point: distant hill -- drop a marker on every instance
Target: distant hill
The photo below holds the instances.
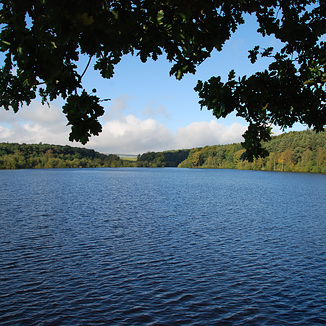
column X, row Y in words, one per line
column 30, row 156
column 128, row 157
column 163, row 159
column 303, row 151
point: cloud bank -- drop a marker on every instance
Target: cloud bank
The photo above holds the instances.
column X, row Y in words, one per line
column 122, row 134
column 33, row 124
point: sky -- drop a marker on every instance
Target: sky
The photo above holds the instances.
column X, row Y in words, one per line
column 148, row 110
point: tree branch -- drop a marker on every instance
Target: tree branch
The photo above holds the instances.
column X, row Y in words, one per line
column 88, row 63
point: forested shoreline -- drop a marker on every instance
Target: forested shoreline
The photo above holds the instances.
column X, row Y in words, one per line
column 38, row 156
column 303, row 151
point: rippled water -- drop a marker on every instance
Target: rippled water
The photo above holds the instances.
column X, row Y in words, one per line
column 162, row 247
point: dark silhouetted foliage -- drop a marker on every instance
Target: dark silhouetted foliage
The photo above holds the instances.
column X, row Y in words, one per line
column 42, row 42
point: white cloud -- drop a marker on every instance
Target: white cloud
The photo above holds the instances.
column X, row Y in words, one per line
column 124, row 135
column 4, row 132
column 125, row 104
column 131, row 135
column 151, row 110
column 118, row 107
column 33, row 124
column 198, row 134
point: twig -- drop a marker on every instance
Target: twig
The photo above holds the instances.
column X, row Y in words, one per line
column 88, row 63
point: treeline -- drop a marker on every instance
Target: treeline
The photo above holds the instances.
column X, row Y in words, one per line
column 38, row 156
column 35, row 156
column 303, row 151
column 162, row 159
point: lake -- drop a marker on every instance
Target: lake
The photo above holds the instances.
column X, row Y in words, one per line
column 162, row 247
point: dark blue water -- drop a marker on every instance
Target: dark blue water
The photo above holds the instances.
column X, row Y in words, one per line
column 162, row 247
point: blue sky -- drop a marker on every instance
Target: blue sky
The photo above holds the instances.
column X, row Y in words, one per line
column 149, row 110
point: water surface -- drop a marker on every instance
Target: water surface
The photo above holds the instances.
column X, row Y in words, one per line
column 162, row 247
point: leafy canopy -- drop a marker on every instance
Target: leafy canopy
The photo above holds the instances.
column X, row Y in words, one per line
column 42, row 41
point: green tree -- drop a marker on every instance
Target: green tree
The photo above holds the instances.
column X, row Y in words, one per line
column 220, row 156
column 13, row 156
column 271, row 162
column 321, row 160
column 306, row 161
column 238, row 159
column 43, row 40
column 287, row 160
